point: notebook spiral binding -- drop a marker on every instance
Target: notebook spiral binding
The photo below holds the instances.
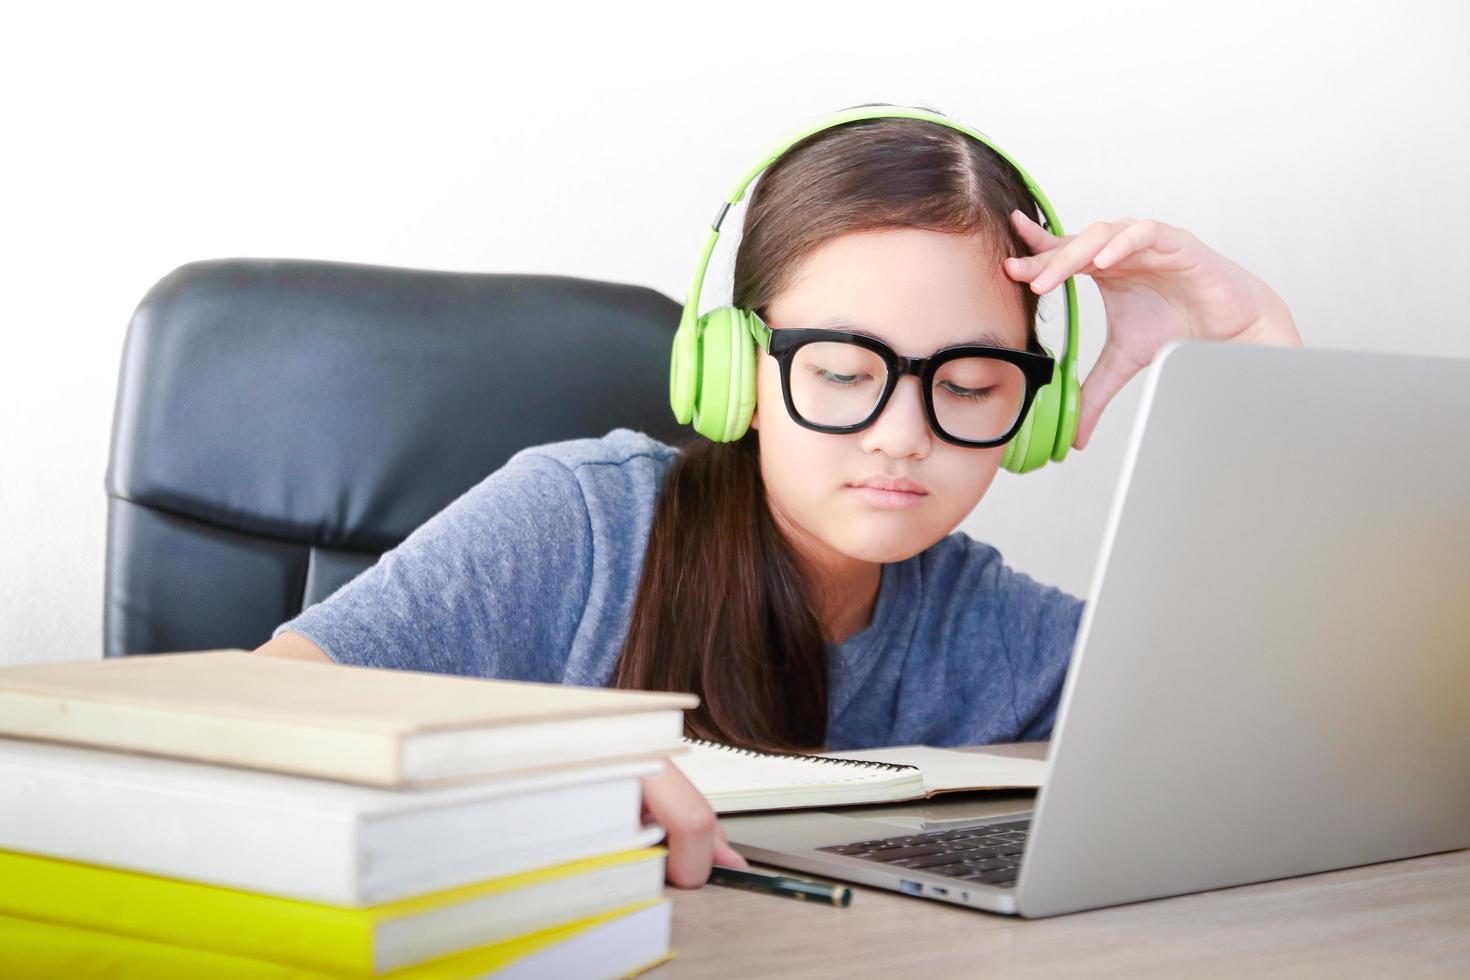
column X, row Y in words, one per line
column 757, row 754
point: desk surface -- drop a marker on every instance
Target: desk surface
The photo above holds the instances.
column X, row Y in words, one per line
column 1402, row 919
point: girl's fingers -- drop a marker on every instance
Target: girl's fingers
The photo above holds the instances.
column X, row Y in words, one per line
column 1037, row 238
column 1066, row 255
column 1041, row 242
column 1073, row 257
column 726, row 855
column 1109, row 374
column 689, row 823
column 1026, row 267
column 1140, row 234
column 690, row 857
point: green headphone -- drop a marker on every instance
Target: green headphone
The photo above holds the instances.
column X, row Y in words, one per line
column 712, row 370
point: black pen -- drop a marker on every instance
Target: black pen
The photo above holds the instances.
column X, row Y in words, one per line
column 838, row 895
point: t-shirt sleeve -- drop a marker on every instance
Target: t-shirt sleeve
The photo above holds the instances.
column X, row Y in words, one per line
column 1039, row 628
column 494, row 585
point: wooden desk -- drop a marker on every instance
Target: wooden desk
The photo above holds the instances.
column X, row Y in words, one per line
column 1398, row 919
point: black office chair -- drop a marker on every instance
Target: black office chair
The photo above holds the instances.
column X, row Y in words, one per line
column 282, row 423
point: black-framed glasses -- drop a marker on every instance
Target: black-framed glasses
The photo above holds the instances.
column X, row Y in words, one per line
column 835, row 381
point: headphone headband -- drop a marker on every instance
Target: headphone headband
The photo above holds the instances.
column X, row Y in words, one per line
column 691, row 305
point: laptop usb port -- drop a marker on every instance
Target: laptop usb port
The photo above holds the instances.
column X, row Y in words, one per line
column 910, row 887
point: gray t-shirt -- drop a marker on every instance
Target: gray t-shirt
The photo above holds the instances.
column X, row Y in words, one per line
column 531, row 575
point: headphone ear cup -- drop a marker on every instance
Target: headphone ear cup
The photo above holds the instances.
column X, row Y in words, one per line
column 726, row 396
column 1015, row 456
column 1070, row 396
column 684, row 371
column 1045, row 413
column 713, row 375
column 742, row 385
column 1034, row 442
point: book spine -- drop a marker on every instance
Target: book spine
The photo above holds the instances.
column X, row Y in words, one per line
column 369, row 757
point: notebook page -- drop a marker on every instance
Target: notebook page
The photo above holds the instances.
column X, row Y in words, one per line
column 739, row 779
column 947, row 769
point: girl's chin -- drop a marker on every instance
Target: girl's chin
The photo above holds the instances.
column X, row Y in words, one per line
column 880, row 545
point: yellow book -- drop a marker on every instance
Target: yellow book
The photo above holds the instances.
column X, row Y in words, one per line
column 623, row 942
column 362, row 940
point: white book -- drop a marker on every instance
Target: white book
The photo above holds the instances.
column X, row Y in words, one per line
column 311, row 839
column 360, row 724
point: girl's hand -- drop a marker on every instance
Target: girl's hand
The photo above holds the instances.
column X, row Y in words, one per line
column 695, row 840
column 1158, row 283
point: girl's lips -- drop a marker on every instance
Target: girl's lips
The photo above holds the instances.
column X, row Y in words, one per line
column 888, row 499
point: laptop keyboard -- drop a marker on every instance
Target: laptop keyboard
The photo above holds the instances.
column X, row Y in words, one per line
column 989, row 854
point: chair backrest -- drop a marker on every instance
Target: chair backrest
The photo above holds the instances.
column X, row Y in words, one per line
column 282, row 423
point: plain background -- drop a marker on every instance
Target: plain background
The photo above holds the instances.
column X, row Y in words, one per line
column 1325, row 147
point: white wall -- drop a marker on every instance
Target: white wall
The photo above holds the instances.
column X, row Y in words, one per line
column 1324, row 147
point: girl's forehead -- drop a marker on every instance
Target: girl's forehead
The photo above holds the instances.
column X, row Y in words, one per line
column 919, row 252
column 911, row 288
column 982, row 336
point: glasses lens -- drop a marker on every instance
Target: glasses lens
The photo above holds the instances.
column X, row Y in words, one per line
column 978, row 398
column 836, row 384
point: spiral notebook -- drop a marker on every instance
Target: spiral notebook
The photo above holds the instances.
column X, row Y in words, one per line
column 738, row 779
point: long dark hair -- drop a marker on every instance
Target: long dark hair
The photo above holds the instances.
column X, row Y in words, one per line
column 722, row 609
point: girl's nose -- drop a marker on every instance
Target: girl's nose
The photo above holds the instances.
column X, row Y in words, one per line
column 902, row 428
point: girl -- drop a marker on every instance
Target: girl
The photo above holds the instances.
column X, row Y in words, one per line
column 805, row 582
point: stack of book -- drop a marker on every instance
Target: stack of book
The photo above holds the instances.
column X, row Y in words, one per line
column 226, row 814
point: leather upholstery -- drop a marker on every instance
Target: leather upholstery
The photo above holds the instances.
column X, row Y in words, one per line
column 281, row 423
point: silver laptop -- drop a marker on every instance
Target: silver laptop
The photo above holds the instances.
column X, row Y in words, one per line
column 1272, row 672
